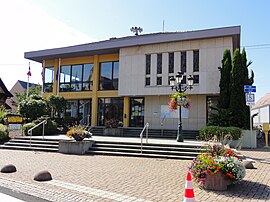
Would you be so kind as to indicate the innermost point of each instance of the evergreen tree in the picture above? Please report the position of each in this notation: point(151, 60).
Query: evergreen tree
point(224, 84)
point(237, 98)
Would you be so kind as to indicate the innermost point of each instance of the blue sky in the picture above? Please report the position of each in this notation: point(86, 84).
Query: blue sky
point(84, 21)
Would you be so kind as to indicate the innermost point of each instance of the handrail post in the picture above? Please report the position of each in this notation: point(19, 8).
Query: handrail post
point(30, 138)
point(147, 125)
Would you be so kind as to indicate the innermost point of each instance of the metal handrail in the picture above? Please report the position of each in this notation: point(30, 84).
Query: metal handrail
point(30, 131)
point(141, 135)
point(84, 118)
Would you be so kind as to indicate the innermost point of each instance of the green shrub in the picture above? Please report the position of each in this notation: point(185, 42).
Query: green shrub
point(208, 132)
point(3, 132)
point(50, 127)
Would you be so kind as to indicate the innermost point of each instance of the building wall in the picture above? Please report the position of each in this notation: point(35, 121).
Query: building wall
point(194, 121)
point(263, 115)
point(132, 66)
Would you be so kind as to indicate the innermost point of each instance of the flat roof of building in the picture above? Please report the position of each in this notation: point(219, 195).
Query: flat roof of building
point(114, 44)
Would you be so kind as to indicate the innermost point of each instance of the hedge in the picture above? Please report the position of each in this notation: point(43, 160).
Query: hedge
point(3, 132)
point(50, 127)
point(208, 132)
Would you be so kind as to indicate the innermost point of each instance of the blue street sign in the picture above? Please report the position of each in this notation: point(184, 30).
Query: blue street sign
point(250, 97)
point(249, 89)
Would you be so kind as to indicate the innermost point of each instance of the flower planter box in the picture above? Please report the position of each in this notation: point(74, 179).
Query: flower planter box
point(74, 147)
point(216, 182)
point(113, 131)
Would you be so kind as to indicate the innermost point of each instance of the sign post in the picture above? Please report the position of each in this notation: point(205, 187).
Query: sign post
point(250, 100)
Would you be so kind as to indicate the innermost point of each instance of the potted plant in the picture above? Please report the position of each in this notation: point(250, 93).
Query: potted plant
point(78, 145)
point(78, 133)
point(217, 168)
point(179, 99)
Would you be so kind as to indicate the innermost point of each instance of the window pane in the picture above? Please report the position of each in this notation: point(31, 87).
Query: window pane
point(147, 81)
point(183, 61)
point(106, 71)
point(76, 73)
point(171, 62)
point(88, 72)
point(159, 63)
point(65, 74)
point(184, 80)
point(159, 80)
point(196, 79)
point(196, 60)
point(116, 70)
point(49, 75)
point(148, 64)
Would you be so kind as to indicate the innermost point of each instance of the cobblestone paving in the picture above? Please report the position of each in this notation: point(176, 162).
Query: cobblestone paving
point(109, 178)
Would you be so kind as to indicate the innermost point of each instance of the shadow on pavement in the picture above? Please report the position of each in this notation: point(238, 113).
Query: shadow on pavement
point(247, 190)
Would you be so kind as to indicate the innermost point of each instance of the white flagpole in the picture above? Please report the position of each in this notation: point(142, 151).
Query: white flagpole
point(27, 86)
point(43, 76)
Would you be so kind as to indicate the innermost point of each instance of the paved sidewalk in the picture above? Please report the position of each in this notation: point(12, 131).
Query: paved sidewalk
point(109, 178)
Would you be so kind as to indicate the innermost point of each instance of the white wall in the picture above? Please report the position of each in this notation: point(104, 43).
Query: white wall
point(132, 66)
point(263, 116)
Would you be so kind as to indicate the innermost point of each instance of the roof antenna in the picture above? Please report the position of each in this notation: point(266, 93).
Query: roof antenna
point(136, 30)
point(163, 25)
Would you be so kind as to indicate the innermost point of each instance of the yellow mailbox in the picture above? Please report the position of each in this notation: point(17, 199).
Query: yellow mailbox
point(265, 130)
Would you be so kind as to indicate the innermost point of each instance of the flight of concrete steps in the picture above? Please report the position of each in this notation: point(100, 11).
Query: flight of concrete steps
point(113, 148)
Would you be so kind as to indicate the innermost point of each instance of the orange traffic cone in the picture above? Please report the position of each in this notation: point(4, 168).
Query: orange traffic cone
point(189, 193)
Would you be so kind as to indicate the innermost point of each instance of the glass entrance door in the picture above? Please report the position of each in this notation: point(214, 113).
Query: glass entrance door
point(136, 112)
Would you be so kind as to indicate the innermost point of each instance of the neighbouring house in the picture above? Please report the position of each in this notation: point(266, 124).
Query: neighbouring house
point(262, 109)
point(19, 87)
point(4, 94)
point(127, 78)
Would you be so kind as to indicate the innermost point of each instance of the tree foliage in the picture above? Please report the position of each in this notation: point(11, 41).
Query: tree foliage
point(33, 107)
point(224, 84)
point(57, 105)
point(232, 109)
point(33, 90)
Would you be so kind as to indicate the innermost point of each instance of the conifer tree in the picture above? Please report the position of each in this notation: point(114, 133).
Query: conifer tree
point(224, 84)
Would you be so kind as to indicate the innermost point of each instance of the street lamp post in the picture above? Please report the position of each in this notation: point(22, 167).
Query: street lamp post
point(175, 83)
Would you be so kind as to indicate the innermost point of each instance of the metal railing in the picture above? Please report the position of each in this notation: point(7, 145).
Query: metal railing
point(30, 131)
point(141, 135)
point(85, 119)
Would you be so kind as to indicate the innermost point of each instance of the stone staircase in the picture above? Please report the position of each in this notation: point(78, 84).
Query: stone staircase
point(37, 144)
point(149, 150)
point(152, 133)
point(186, 151)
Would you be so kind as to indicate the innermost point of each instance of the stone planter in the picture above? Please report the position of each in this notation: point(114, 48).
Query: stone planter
point(74, 147)
point(216, 182)
point(113, 131)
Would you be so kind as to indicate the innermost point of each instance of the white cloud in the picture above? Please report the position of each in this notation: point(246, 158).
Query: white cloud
point(27, 28)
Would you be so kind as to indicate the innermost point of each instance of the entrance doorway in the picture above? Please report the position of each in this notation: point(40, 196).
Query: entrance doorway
point(136, 112)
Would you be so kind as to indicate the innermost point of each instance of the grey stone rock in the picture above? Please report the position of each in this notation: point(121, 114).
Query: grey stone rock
point(8, 169)
point(248, 164)
point(43, 176)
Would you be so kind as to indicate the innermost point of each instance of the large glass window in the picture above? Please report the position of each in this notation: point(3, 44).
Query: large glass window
point(76, 77)
point(159, 63)
point(171, 62)
point(79, 110)
point(48, 79)
point(195, 60)
point(183, 61)
point(148, 64)
point(110, 110)
point(109, 75)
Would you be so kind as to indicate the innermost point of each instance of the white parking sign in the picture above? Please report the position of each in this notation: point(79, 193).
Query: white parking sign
point(250, 97)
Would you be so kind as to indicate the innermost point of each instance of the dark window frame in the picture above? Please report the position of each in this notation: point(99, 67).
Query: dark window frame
point(159, 80)
point(183, 61)
point(196, 60)
point(148, 64)
point(171, 62)
point(196, 79)
point(146, 81)
point(112, 84)
point(69, 84)
point(159, 63)
point(48, 86)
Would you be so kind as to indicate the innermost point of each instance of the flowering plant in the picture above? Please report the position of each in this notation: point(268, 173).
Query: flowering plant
point(179, 99)
point(78, 133)
point(218, 159)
